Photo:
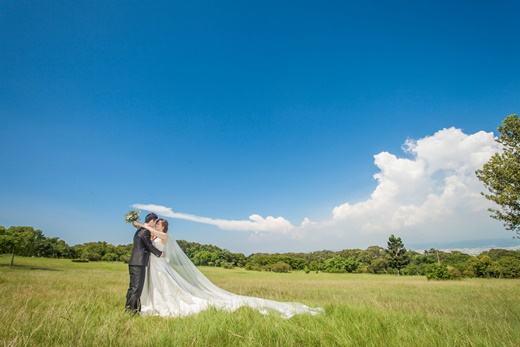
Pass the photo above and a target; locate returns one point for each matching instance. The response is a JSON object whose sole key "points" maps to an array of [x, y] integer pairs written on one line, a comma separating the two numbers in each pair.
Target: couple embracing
{"points": [[168, 284], [140, 259]]}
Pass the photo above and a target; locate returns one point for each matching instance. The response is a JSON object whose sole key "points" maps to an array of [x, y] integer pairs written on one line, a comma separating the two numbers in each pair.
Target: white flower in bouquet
{"points": [[132, 216]]}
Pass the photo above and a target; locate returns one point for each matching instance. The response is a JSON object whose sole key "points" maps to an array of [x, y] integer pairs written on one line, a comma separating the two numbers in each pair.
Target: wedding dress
{"points": [[174, 287]]}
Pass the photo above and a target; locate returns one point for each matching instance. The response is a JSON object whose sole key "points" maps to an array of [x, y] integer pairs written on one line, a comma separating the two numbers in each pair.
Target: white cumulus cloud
{"points": [[436, 184]]}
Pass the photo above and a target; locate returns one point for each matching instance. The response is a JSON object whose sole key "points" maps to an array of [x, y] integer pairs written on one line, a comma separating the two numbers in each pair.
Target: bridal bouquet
{"points": [[132, 216]]}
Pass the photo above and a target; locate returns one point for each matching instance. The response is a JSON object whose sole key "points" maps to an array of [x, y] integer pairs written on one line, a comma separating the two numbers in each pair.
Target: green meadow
{"points": [[55, 302]]}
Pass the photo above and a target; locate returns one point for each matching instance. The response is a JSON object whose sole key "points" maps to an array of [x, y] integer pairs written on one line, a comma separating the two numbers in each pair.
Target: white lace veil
{"points": [[191, 280]]}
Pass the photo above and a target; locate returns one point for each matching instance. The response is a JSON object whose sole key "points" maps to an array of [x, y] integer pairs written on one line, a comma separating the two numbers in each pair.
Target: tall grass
{"points": [[49, 302]]}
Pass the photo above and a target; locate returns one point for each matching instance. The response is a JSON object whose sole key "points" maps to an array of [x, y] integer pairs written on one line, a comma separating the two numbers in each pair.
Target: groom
{"points": [[138, 262]]}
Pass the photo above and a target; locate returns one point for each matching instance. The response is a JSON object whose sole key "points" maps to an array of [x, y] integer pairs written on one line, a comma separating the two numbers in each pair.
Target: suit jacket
{"points": [[142, 248]]}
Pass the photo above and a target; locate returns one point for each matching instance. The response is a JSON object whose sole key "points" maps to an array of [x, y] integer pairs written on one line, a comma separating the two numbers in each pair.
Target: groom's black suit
{"points": [[137, 267]]}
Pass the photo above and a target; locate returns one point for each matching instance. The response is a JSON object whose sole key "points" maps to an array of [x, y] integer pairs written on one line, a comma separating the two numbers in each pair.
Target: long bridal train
{"points": [[174, 287]]}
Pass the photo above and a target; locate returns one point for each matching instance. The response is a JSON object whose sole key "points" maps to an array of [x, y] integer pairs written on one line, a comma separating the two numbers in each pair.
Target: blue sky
{"points": [[282, 110]]}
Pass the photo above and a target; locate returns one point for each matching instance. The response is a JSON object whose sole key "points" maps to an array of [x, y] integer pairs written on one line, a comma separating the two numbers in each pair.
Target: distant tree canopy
{"points": [[435, 264], [21, 240], [501, 175]]}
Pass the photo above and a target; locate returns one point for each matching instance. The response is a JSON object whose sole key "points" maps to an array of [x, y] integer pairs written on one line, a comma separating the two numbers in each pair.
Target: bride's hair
{"points": [[164, 223]]}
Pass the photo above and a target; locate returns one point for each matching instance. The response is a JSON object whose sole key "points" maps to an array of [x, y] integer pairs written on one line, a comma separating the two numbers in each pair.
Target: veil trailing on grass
{"points": [[194, 283]]}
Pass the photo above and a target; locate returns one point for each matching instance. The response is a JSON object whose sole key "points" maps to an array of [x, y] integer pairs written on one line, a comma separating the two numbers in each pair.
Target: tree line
{"points": [[395, 259]]}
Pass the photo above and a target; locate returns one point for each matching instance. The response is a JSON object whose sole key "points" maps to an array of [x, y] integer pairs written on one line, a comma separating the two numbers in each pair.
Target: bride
{"points": [[174, 286]]}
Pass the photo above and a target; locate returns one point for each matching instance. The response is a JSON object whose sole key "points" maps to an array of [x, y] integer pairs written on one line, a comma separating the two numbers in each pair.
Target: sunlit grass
{"points": [[48, 302]]}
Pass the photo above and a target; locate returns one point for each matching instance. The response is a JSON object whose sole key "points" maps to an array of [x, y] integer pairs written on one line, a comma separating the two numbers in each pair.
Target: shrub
{"points": [[280, 267], [352, 264], [361, 270], [413, 270], [509, 267], [437, 272], [336, 264], [91, 256], [226, 265], [378, 266], [454, 273], [109, 257], [250, 267]]}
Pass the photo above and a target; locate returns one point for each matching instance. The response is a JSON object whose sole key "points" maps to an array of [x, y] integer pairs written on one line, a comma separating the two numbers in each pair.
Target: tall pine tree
{"points": [[397, 256]]}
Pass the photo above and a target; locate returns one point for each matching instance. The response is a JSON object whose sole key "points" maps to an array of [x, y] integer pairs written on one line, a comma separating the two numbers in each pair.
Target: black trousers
{"points": [[133, 296]]}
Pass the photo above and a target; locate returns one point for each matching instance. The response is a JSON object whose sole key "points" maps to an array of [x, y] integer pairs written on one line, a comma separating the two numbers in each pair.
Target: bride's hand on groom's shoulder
{"points": [[135, 224]]}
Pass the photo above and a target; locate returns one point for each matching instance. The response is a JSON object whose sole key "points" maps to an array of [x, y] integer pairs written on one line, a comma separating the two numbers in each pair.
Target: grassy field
{"points": [[51, 302]]}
